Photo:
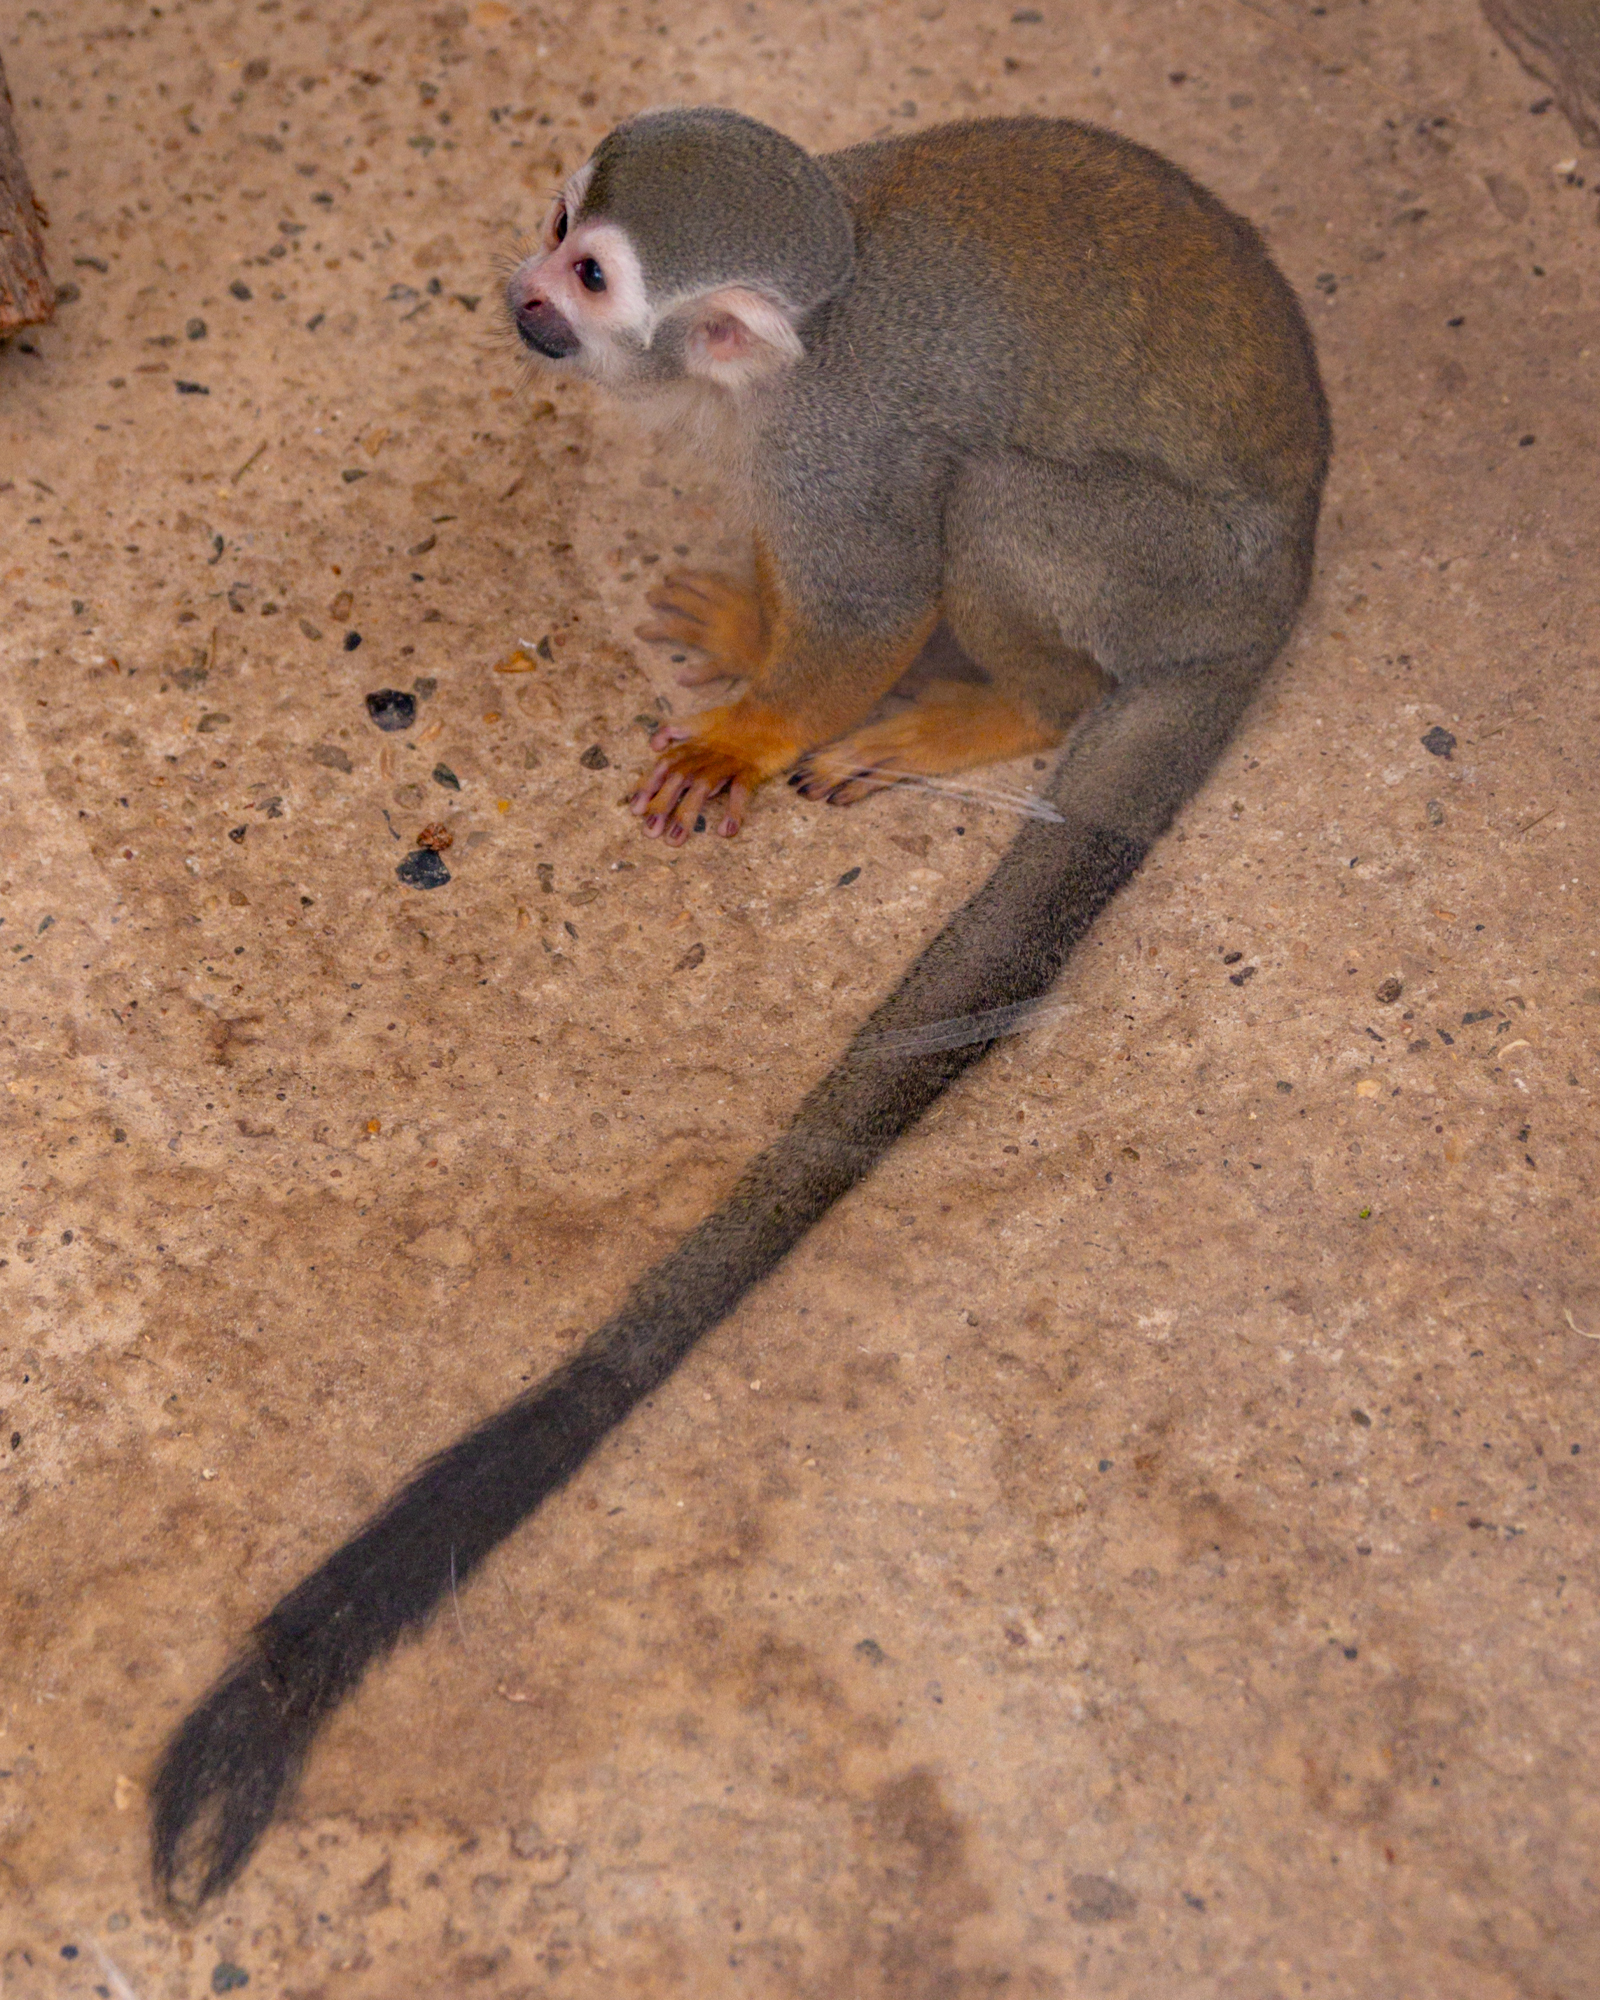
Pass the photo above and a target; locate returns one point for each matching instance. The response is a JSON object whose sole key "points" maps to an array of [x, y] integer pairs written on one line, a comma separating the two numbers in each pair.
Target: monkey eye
{"points": [[590, 275], [559, 223]]}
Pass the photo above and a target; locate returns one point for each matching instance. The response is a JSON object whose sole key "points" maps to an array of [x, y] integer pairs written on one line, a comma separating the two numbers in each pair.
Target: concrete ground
{"points": [[1143, 1544]]}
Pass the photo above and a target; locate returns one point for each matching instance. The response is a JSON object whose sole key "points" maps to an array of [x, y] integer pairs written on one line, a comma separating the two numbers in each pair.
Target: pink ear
{"points": [[738, 336]]}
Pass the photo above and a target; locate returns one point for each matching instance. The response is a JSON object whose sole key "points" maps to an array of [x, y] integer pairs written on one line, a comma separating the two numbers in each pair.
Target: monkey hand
{"points": [[715, 613], [722, 751]]}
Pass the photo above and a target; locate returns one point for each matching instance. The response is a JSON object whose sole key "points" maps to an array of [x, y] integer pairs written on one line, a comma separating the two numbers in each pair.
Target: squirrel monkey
{"points": [[1020, 376]]}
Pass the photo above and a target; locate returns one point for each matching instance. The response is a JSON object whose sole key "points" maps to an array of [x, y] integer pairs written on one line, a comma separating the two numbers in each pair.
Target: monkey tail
{"points": [[1126, 770]]}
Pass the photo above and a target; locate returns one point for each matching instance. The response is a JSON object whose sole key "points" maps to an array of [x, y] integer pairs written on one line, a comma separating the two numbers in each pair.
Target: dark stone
{"points": [[695, 955], [351, 641], [443, 775], [227, 1977], [392, 709], [1238, 978], [1389, 992], [191, 388], [849, 876], [1438, 742], [240, 289], [332, 756], [1096, 1899], [595, 759], [422, 869]]}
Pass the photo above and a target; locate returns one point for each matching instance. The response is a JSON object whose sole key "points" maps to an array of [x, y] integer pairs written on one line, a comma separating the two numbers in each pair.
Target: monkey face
{"points": [[583, 300], [580, 300]]}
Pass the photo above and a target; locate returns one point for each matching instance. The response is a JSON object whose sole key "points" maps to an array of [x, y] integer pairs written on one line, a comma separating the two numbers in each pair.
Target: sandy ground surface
{"points": [[1144, 1543]]}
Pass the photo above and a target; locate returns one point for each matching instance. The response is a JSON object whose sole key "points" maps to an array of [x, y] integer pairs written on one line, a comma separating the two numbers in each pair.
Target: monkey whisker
{"points": [[113, 1973], [1026, 805], [960, 1031], [455, 1601]]}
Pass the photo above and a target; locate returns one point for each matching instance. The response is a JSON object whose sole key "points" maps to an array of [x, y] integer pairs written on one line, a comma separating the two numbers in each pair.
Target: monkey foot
{"points": [[724, 751], [719, 615], [952, 726]]}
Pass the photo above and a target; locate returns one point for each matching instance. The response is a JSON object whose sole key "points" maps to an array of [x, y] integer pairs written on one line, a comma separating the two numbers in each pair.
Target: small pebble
{"points": [[436, 837], [391, 708], [849, 876], [239, 289], [196, 329], [1438, 742], [423, 870], [351, 641], [595, 759], [227, 1977], [332, 756], [191, 388], [443, 775], [1389, 992]]}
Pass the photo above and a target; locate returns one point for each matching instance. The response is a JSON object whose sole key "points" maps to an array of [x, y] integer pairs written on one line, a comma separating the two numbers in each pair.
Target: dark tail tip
{"points": [[219, 1783]]}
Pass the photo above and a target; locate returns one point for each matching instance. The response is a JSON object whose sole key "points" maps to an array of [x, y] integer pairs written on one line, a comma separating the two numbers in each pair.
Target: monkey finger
{"points": [[678, 584], [670, 733], [681, 821], [733, 816], [681, 631], [658, 794]]}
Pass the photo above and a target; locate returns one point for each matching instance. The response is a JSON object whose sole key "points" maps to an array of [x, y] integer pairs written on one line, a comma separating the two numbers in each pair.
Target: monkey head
{"points": [[692, 245]]}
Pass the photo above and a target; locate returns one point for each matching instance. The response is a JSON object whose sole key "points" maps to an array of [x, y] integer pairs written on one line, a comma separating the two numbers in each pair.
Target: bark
{"points": [[26, 293], [1559, 42]]}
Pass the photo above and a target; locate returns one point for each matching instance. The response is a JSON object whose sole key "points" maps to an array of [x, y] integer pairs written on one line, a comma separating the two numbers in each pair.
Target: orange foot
{"points": [[725, 750], [953, 725], [715, 613]]}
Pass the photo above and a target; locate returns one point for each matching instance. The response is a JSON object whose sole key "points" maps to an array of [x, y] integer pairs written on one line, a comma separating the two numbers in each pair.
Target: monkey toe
{"points": [[833, 776]]}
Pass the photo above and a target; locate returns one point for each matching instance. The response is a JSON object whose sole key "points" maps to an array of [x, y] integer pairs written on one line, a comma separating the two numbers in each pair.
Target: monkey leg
{"points": [[952, 725], [813, 686], [723, 618]]}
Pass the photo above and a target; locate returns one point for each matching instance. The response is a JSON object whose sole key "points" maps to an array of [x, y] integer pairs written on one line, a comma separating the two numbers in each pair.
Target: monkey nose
{"points": [[544, 329]]}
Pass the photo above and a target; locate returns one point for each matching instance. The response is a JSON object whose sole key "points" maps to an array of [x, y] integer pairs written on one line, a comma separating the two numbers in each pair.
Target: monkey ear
{"points": [[737, 337]]}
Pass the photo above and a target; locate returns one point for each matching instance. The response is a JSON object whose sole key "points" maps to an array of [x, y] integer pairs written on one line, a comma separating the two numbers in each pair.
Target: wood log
{"points": [[1558, 41], [26, 293]]}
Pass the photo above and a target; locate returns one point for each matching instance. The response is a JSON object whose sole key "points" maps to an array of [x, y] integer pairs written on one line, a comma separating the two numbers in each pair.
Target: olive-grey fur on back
{"points": [[746, 206]]}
